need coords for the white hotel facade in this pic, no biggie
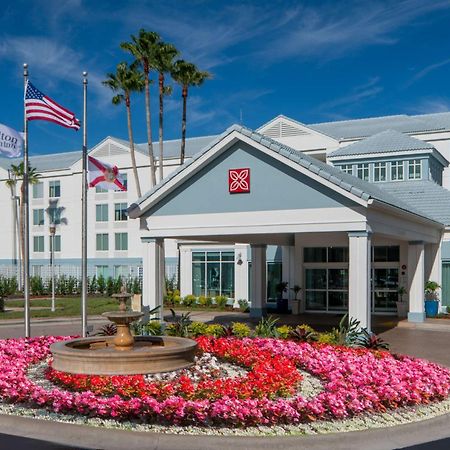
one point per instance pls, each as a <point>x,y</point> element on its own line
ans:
<point>350,211</point>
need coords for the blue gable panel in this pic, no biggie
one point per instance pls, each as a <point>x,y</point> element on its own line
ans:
<point>273,186</point>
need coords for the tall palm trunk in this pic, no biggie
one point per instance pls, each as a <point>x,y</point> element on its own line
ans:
<point>161,112</point>
<point>130,136</point>
<point>149,128</point>
<point>183,125</point>
<point>22,229</point>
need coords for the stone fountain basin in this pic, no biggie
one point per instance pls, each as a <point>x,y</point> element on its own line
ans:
<point>98,355</point>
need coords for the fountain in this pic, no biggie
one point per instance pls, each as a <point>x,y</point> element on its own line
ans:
<point>123,354</point>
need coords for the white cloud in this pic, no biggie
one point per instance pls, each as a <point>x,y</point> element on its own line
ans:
<point>432,105</point>
<point>426,70</point>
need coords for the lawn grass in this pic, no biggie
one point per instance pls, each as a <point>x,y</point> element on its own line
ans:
<point>67,306</point>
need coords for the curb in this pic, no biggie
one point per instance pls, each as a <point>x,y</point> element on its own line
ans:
<point>106,438</point>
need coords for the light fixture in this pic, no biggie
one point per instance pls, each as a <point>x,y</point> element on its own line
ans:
<point>239,260</point>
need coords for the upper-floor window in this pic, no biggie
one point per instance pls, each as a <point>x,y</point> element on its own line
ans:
<point>38,217</point>
<point>38,244</point>
<point>101,212</point>
<point>38,190</point>
<point>99,189</point>
<point>397,170</point>
<point>414,169</point>
<point>347,168</point>
<point>120,211</point>
<point>102,242</point>
<point>121,241</point>
<point>362,171</point>
<point>379,171</point>
<point>54,188</point>
<point>57,241</point>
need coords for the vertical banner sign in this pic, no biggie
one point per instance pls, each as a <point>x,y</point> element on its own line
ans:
<point>239,181</point>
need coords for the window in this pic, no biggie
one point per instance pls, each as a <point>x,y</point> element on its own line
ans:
<point>38,190</point>
<point>325,254</point>
<point>38,243</point>
<point>121,241</point>
<point>38,217</point>
<point>213,273</point>
<point>101,213</point>
<point>414,169</point>
<point>121,271</point>
<point>385,253</point>
<point>102,271</point>
<point>347,168</point>
<point>36,270</point>
<point>362,171</point>
<point>54,215</point>
<point>379,171</point>
<point>396,170</point>
<point>57,243</point>
<point>120,211</point>
<point>54,188</point>
<point>102,243</point>
<point>99,190</point>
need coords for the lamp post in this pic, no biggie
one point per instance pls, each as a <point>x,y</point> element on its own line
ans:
<point>52,230</point>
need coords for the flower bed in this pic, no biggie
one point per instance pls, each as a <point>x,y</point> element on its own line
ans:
<point>354,381</point>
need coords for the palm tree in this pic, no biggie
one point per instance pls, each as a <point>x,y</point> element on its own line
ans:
<point>126,80</point>
<point>186,74</point>
<point>143,49</point>
<point>163,63</point>
<point>16,173</point>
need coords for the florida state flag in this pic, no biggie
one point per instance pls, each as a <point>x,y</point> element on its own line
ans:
<point>104,175</point>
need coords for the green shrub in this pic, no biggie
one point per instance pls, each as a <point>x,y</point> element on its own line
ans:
<point>93,287</point>
<point>198,329</point>
<point>180,325</point>
<point>202,300</point>
<point>284,331</point>
<point>2,304</point>
<point>215,330</point>
<point>136,287</point>
<point>267,327</point>
<point>101,284</point>
<point>36,285</point>
<point>330,337</point>
<point>244,305</point>
<point>176,299</point>
<point>109,286</point>
<point>241,330</point>
<point>221,301</point>
<point>189,300</point>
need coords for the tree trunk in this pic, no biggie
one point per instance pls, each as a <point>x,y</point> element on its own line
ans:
<point>149,129</point>
<point>183,125</point>
<point>161,111</point>
<point>133,156</point>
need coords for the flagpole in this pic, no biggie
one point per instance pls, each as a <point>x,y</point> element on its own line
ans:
<point>26,223</point>
<point>84,215</point>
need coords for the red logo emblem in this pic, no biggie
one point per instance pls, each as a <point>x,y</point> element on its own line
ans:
<point>238,181</point>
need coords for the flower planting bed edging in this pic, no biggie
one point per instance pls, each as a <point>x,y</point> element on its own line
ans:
<point>358,384</point>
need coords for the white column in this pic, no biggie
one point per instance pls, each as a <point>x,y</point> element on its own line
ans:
<point>359,277</point>
<point>154,276</point>
<point>240,273</point>
<point>259,283</point>
<point>185,271</point>
<point>416,281</point>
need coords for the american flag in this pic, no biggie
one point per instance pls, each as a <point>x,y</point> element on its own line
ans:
<point>40,107</point>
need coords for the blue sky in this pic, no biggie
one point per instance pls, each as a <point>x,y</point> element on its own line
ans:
<point>311,60</point>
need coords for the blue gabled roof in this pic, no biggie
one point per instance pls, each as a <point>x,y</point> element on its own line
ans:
<point>45,163</point>
<point>429,197</point>
<point>361,128</point>
<point>354,185</point>
<point>385,142</point>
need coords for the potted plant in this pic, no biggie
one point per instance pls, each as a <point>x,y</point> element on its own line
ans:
<point>402,307</point>
<point>431,298</point>
<point>282,303</point>
<point>298,306</point>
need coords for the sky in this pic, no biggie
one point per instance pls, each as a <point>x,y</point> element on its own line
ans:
<point>314,61</point>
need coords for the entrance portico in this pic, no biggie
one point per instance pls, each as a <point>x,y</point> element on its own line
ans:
<point>290,200</point>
